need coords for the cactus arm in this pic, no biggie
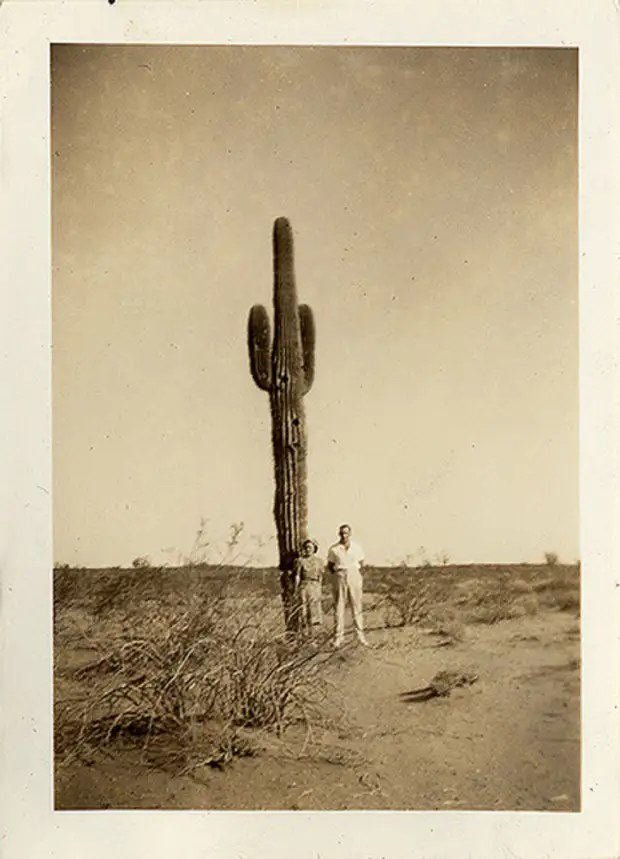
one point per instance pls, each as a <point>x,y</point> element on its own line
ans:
<point>308,339</point>
<point>259,347</point>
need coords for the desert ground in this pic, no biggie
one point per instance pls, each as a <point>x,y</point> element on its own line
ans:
<point>176,689</point>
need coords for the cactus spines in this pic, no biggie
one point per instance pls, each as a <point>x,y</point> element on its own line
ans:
<point>285,368</point>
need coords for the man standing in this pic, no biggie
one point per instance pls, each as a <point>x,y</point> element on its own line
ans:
<point>344,561</point>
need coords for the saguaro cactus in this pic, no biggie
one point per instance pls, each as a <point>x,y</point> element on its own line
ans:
<point>286,370</point>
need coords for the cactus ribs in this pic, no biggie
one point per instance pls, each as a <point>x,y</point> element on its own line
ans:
<point>285,369</point>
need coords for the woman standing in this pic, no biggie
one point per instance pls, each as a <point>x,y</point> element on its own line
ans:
<point>309,579</point>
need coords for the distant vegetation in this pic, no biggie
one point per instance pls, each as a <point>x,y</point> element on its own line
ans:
<point>141,563</point>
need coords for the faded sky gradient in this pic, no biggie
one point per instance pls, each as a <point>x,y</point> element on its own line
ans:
<point>433,197</point>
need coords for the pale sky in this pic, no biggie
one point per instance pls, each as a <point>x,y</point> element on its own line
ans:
<point>433,198</point>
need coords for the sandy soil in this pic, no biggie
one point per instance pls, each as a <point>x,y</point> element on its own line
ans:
<point>511,741</point>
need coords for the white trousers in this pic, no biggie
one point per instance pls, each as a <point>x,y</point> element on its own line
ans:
<point>347,586</point>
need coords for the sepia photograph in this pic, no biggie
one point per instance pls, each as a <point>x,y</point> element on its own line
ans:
<point>315,427</point>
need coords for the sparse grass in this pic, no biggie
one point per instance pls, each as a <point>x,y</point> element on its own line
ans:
<point>569,602</point>
<point>407,595</point>
<point>175,665</point>
<point>452,596</point>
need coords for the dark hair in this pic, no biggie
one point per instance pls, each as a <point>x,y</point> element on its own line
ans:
<point>344,526</point>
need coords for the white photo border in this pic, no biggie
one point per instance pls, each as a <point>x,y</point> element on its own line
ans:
<point>30,827</point>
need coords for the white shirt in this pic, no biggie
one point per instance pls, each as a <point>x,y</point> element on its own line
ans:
<point>342,560</point>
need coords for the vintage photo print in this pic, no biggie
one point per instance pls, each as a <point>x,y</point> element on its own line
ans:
<point>411,215</point>
<point>320,401</point>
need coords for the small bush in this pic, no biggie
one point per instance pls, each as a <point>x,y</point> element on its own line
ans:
<point>551,559</point>
<point>142,563</point>
<point>448,625</point>
<point>492,613</point>
<point>405,597</point>
<point>524,605</point>
<point>494,598</point>
<point>569,602</point>
<point>412,595</point>
<point>520,586</point>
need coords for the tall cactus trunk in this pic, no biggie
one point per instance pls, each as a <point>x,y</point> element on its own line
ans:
<point>287,374</point>
<point>287,409</point>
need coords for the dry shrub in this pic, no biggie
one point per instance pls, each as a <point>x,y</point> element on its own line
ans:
<point>406,596</point>
<point>102,591</point>
<point>520,586</point>
<point>492,613</point>
<point>182,663</point>
<point>494,597</point>
<point>446,624</point>
<point>451,597</point>
<point>569,602</point>
<point>524,605</point>
<point>485,594</point>
<point>546,584</point>
<point>419,595</point>
<point>560,590</point>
